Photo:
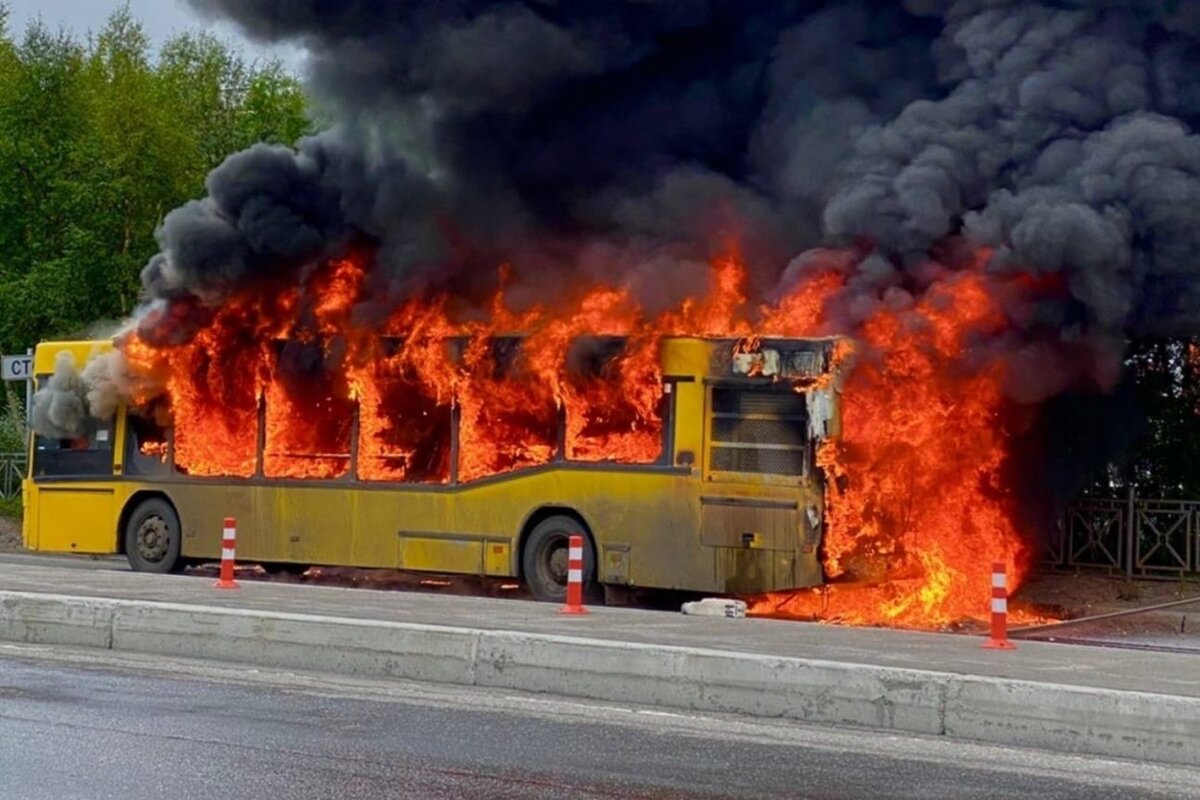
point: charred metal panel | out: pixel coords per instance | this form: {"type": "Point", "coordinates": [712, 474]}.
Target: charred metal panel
{"type": "Point", "coordinates": [790, 359]}
{"type": "Point", "coordinates": [752, 571]}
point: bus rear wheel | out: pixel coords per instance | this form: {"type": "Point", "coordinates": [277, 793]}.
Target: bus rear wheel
{"type": "Point", "coordinates": [153, 537]}
{"type": "Point", "coordinates": [544, 559]}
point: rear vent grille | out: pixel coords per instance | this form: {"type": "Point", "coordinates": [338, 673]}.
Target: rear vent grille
{"type": "Point", "coordinates": [757, 431]}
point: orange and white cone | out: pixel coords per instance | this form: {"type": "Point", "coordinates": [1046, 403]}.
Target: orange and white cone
{"type": "Point", "coordinates": [574, 577]}
{"type": "Point", "coordinates": [999, 638]}
{"type": "Point", "coordinates": [228, 539]}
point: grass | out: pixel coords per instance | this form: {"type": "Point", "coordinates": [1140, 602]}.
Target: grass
{"type": "Point", "coordinates": [11, 507]}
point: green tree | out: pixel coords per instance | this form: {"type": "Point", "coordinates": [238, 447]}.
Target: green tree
{"type": "Point", "coordinates": [1149, 425]}
{"type": "Point", "coordinates": [98, 141]}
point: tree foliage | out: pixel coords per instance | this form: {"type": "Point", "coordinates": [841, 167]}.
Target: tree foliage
{"type": "Point", "coordinates": [1143, 434]}
{"type": "Point", "coordinates": [1165, 459]}
{"type": "Point", "coordinates": [98, 140]}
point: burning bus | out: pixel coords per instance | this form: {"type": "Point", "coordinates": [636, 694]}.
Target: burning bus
{"type": "Point", "coordinates": [911, 179]}
{"type": "Point", "coordinates": [687, 462]}
{"type": "Point", "coordinates": [716, 445]}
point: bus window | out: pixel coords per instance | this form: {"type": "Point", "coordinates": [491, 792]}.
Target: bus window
{"type": "Point", "coordinates": [147, 448]}
{"type": "Point", "coordinates": [308, 415]}
{"type": "Point", "coordinates": [614, 402]}
{"type": "Point", "coordinates": [404, 434]}
{"type": "Point", "coordinates": [91, 453]}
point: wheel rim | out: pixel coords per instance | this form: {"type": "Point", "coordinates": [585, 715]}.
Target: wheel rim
{"type": "Point", "coordinates": [153, 539]}
{"type": "Point", "coordinates": [553, 563]}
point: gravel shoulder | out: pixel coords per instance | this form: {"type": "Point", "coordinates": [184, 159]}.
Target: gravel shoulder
{"type": "Point", "coordinates": [1083, 594]}
{"type": "Point", "coordinates": [10, 533]}
{"type": "Point", "coordinates": [1074, 596]}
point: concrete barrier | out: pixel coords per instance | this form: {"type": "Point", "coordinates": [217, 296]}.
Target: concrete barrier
{"type": "Point", "coordinates": [1050, 716]}
{"type": "Point", "coordinates": [714, 680]}
{"type": "Point", "coordinates": [1076, 719]}
{"type": "Point", "coordinates": [54, 619]}
{"type": "Point", "coordinates": [295, 641]}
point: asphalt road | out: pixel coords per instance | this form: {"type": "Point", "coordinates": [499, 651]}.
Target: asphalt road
{"type": "Point", "coordinates": [78, 724]}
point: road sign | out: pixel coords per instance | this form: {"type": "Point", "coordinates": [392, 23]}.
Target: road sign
{"type": "Point", "coordinates": [16, 368]}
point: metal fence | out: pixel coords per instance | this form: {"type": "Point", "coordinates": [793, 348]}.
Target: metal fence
{"type": "Point", "coordinates": [1135, 536]}
{"type": "Point", "coordinates": [12, 472]}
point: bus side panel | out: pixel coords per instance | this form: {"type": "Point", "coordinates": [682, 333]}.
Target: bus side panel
{"type": "Point", "coordinates": [643, 522]}
{"type": "Point", "coordinates": [76, 518]}
{"type": "Point", "coordinates": [649, 520]}
{"type": "Point", "coordinates": [646, 525]}
{"type": "Point", "coordinates": [202, 509]}
{"type": "Point", "coordinates": [655, 517]}
{"type": "Point", "coordinates": [304, 527]}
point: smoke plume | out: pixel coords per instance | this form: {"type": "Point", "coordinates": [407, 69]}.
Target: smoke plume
{"type": "Point", "coordinates": [60, 407]}
{"type": "Point", "coordinates": [570, 139]}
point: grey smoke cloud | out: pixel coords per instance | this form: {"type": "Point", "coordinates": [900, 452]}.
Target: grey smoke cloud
{"type": "Point", "coordinates": [108, 382]}
{"type": "Point", "coordinates": [60, 407]}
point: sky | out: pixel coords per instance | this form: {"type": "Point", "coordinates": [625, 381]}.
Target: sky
{"type": "Point", "coordinates": [161, 18]}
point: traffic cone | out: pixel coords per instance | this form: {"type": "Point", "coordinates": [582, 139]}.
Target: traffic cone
{"type": "Point", "coordinates": [574, 577]}
{"type": "Point", "coordinates": [228, 538]}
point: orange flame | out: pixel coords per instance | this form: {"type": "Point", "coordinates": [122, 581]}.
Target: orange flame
{"type": "Point", "coordinates": [916, 510]}
{"type": "Point", "coordinates": [157, 450]}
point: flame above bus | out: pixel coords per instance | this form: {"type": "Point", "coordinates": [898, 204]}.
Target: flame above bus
{"type": "Point", "coordinates": [916, 505]}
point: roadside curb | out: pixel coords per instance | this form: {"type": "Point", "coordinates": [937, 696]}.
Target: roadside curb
{"type": "Point", "coordinates": [1124, 724]}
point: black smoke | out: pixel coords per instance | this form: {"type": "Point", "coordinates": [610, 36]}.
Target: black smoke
{"type": "Point", "coordinates": [267, 211]}
{"type": "Point", "coordinates": [598, 138]}
{"type": "Point", "coordinates": [633, 136]}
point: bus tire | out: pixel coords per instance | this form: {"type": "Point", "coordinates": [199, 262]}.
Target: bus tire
{"type": "Point", "coordinates": [153, 537]}
{"type": "Point", "coordinates": [544, 558]}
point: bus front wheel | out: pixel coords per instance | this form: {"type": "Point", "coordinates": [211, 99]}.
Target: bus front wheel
{"type": "Point", "coordinates": [544, 559]}
{"type": "Point", "coordinates": [153, 537]}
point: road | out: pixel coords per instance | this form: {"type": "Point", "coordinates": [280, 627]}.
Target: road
{"type": "Point", "coordinates": [83, 724]}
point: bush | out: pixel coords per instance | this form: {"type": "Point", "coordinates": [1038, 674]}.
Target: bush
{"type": "Point", "coordinates": [12, 440]}
{"type": "Point", "coordinates": [11, 507]}
{"type": "Point", "coordinates": [12, 423]}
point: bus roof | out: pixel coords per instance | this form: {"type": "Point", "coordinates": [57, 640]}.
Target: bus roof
{"type": "Point", "coordinates": [82, 351]}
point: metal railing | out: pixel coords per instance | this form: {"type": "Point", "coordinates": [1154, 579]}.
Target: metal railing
{"type": "Point", "coordinates": [1138, 537]}
{"type": "Point", "coordinates": [12, 472]}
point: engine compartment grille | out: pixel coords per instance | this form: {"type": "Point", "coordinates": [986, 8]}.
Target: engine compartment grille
{"type": "Point", "coordinates": [759, 431]}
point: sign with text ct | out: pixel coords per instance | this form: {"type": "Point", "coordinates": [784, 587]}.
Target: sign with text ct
{"type": "Point", "coordinates": [16, 368]}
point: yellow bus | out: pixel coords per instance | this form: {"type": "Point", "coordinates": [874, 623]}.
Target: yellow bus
{"type": "Point", "coordinates": [733, 504]}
